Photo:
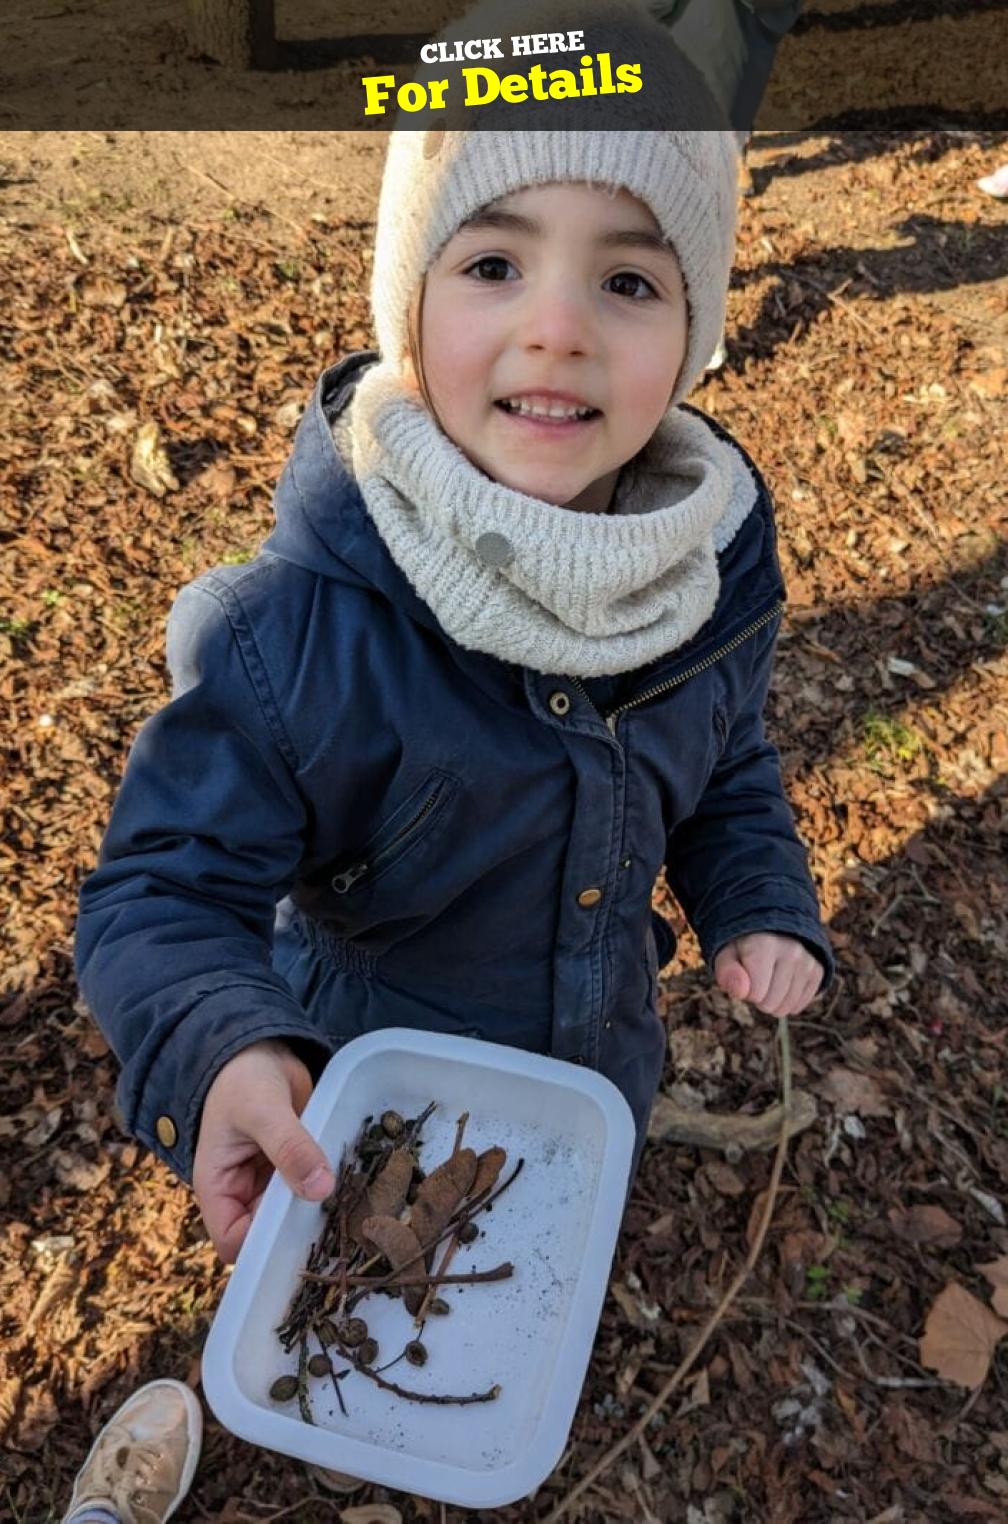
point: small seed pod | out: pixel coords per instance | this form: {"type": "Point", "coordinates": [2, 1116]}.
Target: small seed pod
{"type": "Point", "coordinates": [468, 1233]}
{"type": "Point", "coordinates": [415, 1353]}
{"type": "Point", "coordinates": [439, 1307]}
{"type": "Point", "coordinates": [284, 1388]}
{"type": "Point", "coordinates": [375, 1133]}
{"type": "Point", "coordinates": [367, 1353]}
{"type": "Point", "coordinates": [319, 1365]}
{"type": "Point", "coordinates": [353, 1332]}
{"type": "Point", "coordinates": [326, 1331]}
{"type": "Point", "coordinates": [392, 1124]}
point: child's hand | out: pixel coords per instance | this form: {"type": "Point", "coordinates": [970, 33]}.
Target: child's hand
{"type": "Point", "coordinates": [778, 974]}
{"type": "Point", "coordinates": [249, 1125]}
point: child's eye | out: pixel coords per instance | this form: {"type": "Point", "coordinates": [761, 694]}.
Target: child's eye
{"type": "Point", "coordinates": [640, 288]}
{"type": "Point", "coordinates": [490, 267]}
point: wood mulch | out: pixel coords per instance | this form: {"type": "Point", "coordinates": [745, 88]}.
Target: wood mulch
{"type": "Point", "coordinates": [867, 373]}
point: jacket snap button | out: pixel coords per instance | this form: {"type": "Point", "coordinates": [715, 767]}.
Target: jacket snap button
{"type": "Point", "coordinates": [589, 897]}
{"type": "Point", "coordinates": [494, 550]}
{"type": "Point", "coordinates": [559, 702]}
{"type": "Point", "coordinates": [167, 1132]}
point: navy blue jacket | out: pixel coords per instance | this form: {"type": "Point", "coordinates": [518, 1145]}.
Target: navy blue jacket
{"type": "Point", "coordinates": [343, 820]}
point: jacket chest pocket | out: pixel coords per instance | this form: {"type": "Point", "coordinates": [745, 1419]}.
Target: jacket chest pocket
{"type": "Point", "coordinates": [399, 834]}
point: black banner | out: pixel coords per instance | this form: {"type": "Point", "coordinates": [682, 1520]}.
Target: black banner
{"type": "Point", "coordinates": [321, 65]}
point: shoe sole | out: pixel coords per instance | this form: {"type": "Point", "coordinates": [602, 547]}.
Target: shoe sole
{"type": "Point", "coordinates": [195, 1439]}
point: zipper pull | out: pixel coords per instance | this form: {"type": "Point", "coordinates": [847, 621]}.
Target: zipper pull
{"type": "Point", "coordinates": [345, 881]}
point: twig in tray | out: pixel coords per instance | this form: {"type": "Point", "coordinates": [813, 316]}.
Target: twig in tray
{"type": "Point", "coordinates": [442, 1399]}
{"type": "Point", "coordinates": [501, 1272]}
{"type": "Point", "coordinates": [339, 1272]}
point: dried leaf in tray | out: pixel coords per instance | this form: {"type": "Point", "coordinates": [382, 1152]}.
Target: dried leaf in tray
{"type": "Point", "coordinates": [441, 1194]}
{"type": "Point", "coordinates": [387, 1192]}
{"type": "Point", "coordinates": [401, 1247]}
{"type": "Point", "coordinates": [357, 1192]}
{"type": "Point", "coordinates": [488, 1166]}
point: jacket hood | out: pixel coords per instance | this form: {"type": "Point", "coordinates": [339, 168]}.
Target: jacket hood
{"type": "Point", "coordinates": [322, 522]}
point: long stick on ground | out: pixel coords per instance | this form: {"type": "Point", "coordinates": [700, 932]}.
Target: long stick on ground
{"type": "Point", "coordinates": [659, 1401]}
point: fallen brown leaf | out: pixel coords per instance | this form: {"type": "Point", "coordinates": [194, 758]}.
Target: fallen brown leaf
{"type": "Point", "coordinates": [150, 466]}
{"type": "Point", "coordinates": [724, 1179]}
{"type": "Point", "coordinates": [698, 1395]}
{"type": "Point", "coordinates": [959, 1337]}
{"type": "Point", "coordinates": [851, 1091]}
{"type": "Point", "coordinates": [991, 383]}
{"type": "Point", "coordinates": [996, 1271]}
{"type": "Point", "coordinates": [640, 1314]}
{"type": "Point", "coordinates": [925, 1225]}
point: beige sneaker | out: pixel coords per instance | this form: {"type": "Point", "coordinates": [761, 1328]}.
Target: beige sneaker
{"type": "Point", "coordinates": [143, 1461]}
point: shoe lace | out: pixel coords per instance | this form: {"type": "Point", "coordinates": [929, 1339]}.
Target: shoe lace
{"type": "Point", "coordinates": [144, 1457]}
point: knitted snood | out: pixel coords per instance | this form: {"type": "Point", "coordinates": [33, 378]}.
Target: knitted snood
{"type": "Point", "coordinates": [550, 588]}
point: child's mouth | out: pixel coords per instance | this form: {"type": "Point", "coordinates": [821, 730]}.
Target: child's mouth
{"type": "Point", "coordinates": [553, 417]}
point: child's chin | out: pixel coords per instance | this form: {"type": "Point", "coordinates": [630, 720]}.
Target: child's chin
{"type": "Point", "coordinates": [546, 489]}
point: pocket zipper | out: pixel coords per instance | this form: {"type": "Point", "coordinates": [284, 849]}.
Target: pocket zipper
{"type": "Point", "coordinates": [343, 882]}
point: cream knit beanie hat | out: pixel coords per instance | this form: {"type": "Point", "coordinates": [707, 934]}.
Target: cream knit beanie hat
{"type": "Point", "coordinates": [435, 179]}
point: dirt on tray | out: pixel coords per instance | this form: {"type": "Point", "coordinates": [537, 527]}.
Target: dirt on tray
{"type": "Point", "coordinates": [201, 282]}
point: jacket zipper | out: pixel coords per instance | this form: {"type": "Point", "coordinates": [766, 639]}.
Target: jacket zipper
{"type": "Point", "coordinates": [684, 676]}
{"type": "Point", "coordinates": [345, 881]}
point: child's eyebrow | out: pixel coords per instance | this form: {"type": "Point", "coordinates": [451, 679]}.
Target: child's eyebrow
{"type": "Point", "coordinates": [516, 222]}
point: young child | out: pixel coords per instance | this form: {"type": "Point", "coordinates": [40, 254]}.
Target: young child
{"type": "Point", "coordinates": [504, 655]}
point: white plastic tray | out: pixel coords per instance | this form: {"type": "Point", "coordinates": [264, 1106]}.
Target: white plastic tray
{"type": "Point", "coordinates": [531, 1334]}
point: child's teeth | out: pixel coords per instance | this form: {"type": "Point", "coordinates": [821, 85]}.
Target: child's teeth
{"type": "Point", "coordinates": [542, 410]}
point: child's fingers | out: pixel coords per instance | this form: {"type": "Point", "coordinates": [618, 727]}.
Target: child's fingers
{"type": "Point", "coordinates": [295, 1154]}
{"type": "Point", "coordinates": [730, 974]}
{"type": "Point", "coordinates": [778, 988]}
{"type": "Point", "coordinates": [792, 1000]}
{"type": "Point", "coordinates": [231, 1234]}
{"type": "Point", "coordinates": [761, 965]}
{"type": "Point", "coordinates": [227, 1218]}
{"type": "Point", "coordinates": [804, 987]}
{"type": "Point", "coordinates": [813, 986]}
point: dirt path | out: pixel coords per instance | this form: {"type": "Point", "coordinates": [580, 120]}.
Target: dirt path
{"type": "Point", "coordinates": [202, 282]}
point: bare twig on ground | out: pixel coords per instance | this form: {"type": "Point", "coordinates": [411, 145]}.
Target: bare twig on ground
{"type": "Point", "coordinates": [686, 1365]}
{"type": "Point", "coordinates": [731, 1132]}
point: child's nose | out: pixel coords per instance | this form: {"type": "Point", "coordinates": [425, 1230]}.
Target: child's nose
{"type": "Point", "coordinates": [559, 321]}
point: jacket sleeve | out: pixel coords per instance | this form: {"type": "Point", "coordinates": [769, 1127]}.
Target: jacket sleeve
{"type": "Point", "coordinates": [175, 925]}
{"type": "Point", "coordinates": [736, 864]}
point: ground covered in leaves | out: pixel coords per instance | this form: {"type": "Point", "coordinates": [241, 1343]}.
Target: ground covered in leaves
{"type": "Point", "coordinates": [863, 1372]}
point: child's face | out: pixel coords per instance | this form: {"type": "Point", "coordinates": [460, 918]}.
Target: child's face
{"type": "Point", "coordinates": [563, 289]}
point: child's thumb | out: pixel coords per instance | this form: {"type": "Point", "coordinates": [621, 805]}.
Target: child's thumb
{"type": "Point", "coordinates": [298, 1158]}
{"type": "Point", "coordinates": [730, 974]}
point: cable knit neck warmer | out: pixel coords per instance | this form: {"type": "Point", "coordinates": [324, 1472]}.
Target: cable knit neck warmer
{"type": "Point", "coordinates": [550, 588]}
